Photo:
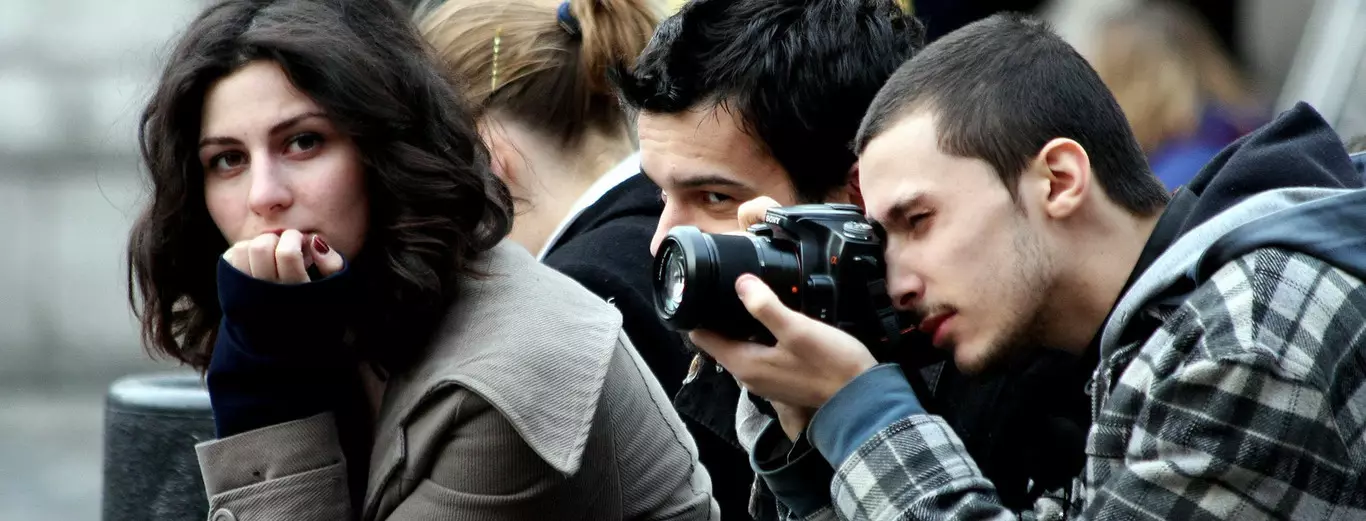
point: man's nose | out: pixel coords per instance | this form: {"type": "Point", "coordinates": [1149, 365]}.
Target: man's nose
{"type": "Point", "coordinates": [660, 232]}
{"type": "Point", "coordinates": [904, 287]}
{"type": "Point", "coordinates": [667, 220]}
{"type": "Point", "coordinates": [270, 190]}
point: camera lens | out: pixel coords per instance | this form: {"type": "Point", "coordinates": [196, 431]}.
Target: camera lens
{"type": "Point", "coordinates": [675, 280]}
{"type": "Point", "coordinates": [694, 279]}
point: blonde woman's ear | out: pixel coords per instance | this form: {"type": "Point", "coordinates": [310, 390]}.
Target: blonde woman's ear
{"type": "Point", "coordinates": [499, 147]}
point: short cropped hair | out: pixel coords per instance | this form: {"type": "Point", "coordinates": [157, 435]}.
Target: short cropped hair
{"type": "Point", "coordinates": [799, 73]}
{"type": "Point", "coordinates": [1000, 89]}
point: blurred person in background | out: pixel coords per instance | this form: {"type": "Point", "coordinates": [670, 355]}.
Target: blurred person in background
{"type": "Point", "coordinates": [1356, 144]}
{"type": "Point", "coordinates": [1178, 86]}
{"type": "Point", "coordinates": [534, 76]}
{"type": "Point", "coordinates": [942, 17]}
{"type": "Point", "coordinates": [326, 242]}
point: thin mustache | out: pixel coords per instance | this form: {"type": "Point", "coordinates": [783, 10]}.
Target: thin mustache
{"type": "Point", "coordinates": [920, 313]}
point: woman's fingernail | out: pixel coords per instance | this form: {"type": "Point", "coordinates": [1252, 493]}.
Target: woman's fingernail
{"type": "Point", "coordinates": [320, 246]}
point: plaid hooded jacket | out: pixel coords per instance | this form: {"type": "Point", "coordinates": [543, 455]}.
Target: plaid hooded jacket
{"type": "Point", "coordinates": [1247, 400]}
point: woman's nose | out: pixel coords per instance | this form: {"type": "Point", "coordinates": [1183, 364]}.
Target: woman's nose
{"type": "Point", "coordinates": [270, 190]}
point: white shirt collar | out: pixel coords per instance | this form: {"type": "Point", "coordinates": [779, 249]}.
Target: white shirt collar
{"type": "Point", "coordinates": [624, 170]}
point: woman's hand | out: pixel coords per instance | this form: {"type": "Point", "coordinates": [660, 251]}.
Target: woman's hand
{"type": "Point", "coordinates": [284, 258]}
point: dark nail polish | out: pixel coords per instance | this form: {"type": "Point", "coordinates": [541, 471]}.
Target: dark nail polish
{"type": "Point", "coordinates": [320, 245]}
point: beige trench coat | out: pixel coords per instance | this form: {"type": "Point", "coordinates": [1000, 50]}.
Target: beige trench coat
{"type": "Point", "coordinates": [532, 405]}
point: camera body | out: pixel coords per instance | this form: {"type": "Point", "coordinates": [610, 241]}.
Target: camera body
{"type": "Point", "coordinates": [824, 260]}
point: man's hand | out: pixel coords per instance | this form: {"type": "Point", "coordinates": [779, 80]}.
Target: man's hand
{"type": "Point", "coordinates": [810, 362]}
{"type": "Point", "coordinates": [752, 212]}
{"type": "Point", "coordinates": [792, 418]}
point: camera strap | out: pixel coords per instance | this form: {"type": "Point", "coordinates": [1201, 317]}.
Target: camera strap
{"type": "Point", "coordinates": [892, 347]}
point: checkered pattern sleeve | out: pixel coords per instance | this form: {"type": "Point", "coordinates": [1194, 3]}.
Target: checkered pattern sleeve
{"type": "Point", "coordinates": [1248, 403]}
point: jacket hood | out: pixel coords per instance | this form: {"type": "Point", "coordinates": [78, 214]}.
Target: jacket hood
{"type": "Point", "coordinates": [1289, 184]}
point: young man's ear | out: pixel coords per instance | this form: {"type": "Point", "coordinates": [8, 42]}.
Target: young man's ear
{"type": "Point", "coordinates": [1064, 177]}
{"type": "Point", "coordinates": [851, 192]}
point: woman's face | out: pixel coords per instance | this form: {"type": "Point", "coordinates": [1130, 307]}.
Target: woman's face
{"type": "Point", "coordinates": [273, 161]}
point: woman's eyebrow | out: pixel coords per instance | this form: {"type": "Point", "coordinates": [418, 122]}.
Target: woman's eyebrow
{"type": "Point", "coordinates": [276, 129]}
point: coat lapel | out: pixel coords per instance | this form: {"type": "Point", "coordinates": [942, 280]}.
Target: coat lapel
{"type": "Point", "coordinates": [540, 361]}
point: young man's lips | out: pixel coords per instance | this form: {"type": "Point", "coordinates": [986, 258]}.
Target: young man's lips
{"type": "Point", "coordinates": [930, 326]}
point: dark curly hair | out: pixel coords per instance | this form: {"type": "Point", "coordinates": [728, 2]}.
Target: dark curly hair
{"type": "Point", "coordinates": [435, 205]}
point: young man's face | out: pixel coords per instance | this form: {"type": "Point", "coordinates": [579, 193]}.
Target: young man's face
{"type": "Point", "coordinates": [974, 265]}
{"type": "Point", "coordinates": [706, 165]}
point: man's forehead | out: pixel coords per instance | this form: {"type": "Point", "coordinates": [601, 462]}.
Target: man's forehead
{"type": "Point", "coordinates": [896, 170]}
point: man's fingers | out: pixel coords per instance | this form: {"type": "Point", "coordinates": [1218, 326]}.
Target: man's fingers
{"type": "Point", "coordinates": [261, 254]}
{"type": "Point", "coordinates": [237, 257]}
{"type": "Point", "coordinates": [752, 211]}
{"type": "Point", "coordinates": [328, 260]}
{"type": "Point", "coordinates": [737, 356]}
{"type": "Point", "coordinates": [764, 304]}
{"type": "Point", "coordinates": [289, 258]}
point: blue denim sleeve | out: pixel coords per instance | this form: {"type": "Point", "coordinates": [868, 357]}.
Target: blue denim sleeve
{"type": "Point", "coordinates": [865, 406]}
{"type": "Point", "coordinates": [795, 472]}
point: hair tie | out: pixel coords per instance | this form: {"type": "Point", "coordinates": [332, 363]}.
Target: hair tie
{"type": "Point", "coordinates": [567, 21]}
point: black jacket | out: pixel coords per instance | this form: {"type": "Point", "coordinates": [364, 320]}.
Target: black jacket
{"type": "Point", "coordinates": [607, 250]}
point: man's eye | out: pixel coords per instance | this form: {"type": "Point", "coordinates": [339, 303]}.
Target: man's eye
{"type": "Point", "coordinates": [716, 198]}
{"type": "Point", "coordinates": [917, 221]}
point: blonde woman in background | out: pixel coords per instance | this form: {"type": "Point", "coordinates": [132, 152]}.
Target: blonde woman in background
{"type": "Point", "coordinates": [536, 77]}
{"type": "Point", "coordinates": [1180, 90]}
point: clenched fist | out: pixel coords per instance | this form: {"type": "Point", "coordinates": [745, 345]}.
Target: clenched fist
{"type": "Point", "coordinates": [284, 258]}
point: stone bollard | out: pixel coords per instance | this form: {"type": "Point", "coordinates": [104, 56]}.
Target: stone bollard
{"type": "Point", "coordinates": [152, 422]}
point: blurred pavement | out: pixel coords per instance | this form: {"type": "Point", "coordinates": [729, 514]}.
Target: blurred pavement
{"type": "Point", "coordinates": [50, 453]}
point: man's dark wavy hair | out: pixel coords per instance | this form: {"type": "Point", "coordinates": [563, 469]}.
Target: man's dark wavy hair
{"type": "Point", "coordinates": [799, 73]}
{"type": "Point", "coordinates": [434, 203]}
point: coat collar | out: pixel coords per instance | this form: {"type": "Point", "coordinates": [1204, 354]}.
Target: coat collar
{"type": "Point", "coordinates": [525, 338]}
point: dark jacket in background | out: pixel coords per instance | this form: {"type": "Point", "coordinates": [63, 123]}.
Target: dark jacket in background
{"type": "Point", "coordinates": [607, 250]}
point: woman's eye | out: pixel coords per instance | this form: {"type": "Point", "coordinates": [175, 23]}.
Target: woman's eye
{"type": "Point", "coordinates": [227, 161]}
{"type": "Point", "coordinates": [304, 143]}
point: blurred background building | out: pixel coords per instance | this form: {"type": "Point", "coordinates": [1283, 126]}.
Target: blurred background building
{"type": "Point", "coordinates": [73, 77]}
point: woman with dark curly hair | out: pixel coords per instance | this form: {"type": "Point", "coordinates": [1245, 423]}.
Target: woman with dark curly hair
{"type": "Point", "coordinates": [326, 242]}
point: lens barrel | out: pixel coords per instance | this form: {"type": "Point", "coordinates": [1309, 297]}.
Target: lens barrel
{"type": "Point", "coordinates": [694, 279]}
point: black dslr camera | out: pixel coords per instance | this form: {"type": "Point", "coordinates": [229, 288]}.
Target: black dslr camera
{"type": "Point", "coordinates": [824, 260]}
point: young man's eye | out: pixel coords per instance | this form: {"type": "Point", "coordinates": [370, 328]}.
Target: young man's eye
{"type": "Point", "coordinates": [716, 198]}
{"type": "Point", "coordinates": [917, 222]}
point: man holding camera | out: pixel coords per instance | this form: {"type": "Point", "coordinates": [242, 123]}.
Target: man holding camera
{"type": "Point", "coordinates": [1226, 326]}
{"type": "Point", "coordinates": [747, 98]}
{"type": "Point", "coordinates": [740, 99]}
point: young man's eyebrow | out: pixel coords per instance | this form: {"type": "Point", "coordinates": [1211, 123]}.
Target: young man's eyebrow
{"type": "Point", "coordinates": [901, 209]}
{"type": "Point", "coordinates": [706, 180]}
